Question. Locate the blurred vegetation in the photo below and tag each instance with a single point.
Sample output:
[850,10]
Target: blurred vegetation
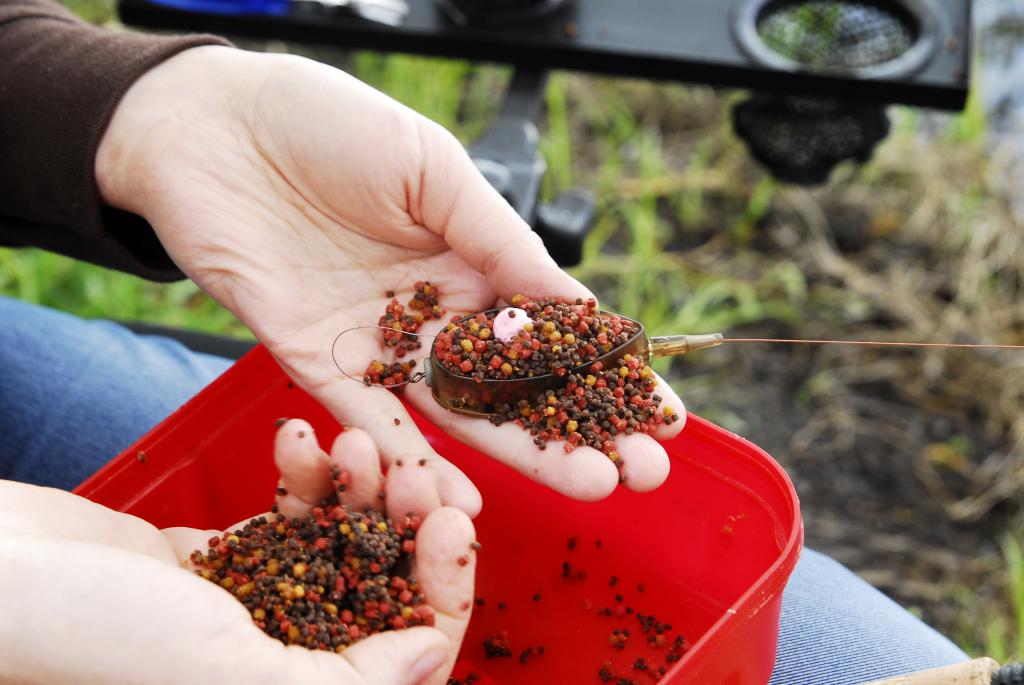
[922,243]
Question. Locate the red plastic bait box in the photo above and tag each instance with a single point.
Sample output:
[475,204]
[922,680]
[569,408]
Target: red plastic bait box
[709,552]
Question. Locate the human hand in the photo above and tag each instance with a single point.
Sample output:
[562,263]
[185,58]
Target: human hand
[95,596]
[297,196]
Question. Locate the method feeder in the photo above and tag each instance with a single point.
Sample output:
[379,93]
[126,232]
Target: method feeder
[474,397]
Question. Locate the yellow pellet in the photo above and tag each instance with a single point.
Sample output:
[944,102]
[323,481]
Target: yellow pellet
[506,369]
[555,336]
[283,587]
[556,349]
[572,426]
[300,590]
[552,399]
[528,327]
[245,590]
[293,633]
[474,326]
[363,527]
[406,612]
[590,380]
[299,570]
[344,529]
[628,358]
[569,339]
[332,609]
[517,300]
[667,410]
[340,648]
[279,529]
[259,614]
[382,527]
[466,345]
[232,538]
[614,456]
[623,371]
[273,567]
[550,411]
[227,583]
[484,333]
[206,573]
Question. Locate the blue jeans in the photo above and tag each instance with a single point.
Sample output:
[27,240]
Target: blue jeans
[73,393]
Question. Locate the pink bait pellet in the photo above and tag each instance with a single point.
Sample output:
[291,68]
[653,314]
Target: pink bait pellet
[508,322]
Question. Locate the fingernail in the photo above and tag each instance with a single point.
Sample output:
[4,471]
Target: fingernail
[427,664]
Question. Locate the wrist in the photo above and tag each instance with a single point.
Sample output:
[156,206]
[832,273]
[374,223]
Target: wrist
[150,119]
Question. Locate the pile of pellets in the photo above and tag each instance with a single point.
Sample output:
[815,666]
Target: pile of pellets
[325,580]
[400,325]
[594,406]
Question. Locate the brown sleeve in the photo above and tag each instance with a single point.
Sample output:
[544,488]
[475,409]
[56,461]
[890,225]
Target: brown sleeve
[60,81]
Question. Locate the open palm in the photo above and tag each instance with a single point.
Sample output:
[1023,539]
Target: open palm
[297,196]
[137,617]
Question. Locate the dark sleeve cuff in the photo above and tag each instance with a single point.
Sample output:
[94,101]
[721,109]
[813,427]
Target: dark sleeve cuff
[60,82]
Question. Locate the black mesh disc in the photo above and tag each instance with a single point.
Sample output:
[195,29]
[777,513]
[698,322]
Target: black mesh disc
[801,139]
[831,34]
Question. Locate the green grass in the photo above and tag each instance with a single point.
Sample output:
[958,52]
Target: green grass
[995,627]
[91,291]
[93,11]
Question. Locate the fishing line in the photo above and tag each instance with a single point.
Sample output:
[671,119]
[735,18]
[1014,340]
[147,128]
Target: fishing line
[876,343]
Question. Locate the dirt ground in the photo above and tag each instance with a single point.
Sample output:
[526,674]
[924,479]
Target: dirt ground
[907,462]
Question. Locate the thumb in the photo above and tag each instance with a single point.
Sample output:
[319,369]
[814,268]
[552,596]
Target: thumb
[402,657]
[458,203]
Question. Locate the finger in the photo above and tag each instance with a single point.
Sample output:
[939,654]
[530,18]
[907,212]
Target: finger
[412,488]
[304,471]
[401,657]
[374,410]
[305,475]
[456,201]
[669,398]
[446,568]
[645,463]
[584,473]
[354,453]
